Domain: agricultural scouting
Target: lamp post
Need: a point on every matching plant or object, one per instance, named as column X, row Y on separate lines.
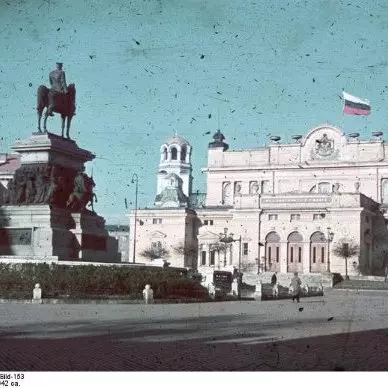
column 228, row 239
column 135, row 179
column 330, row 236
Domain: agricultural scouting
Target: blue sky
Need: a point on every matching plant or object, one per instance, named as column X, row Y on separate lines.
column 145, row 69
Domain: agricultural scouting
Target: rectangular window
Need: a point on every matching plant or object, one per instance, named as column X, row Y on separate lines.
column 319, row 216
column 206, row 222
column 272, row 217
column 322, row 254
column 203, row 258
column 245, row 249
column 211, row 222
column 295, row 217
column 159, row 220
column 314, row 254
column 277, row 254
column 212, row 257
column 154, row 221
column 269, row 253
column 300, row 254
column 292, row 254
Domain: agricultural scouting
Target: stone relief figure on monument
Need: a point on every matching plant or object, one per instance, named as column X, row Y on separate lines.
column 53, row 188
column 42, row 182
column 60, row 98
column 21, row 183
column 82, row 193
column 30, row 189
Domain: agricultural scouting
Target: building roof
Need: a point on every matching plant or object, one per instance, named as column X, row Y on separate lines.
column 9, row 163
column 117, row 228
column 179, row 140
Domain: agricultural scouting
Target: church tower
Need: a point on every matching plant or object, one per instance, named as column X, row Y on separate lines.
column 174, row 180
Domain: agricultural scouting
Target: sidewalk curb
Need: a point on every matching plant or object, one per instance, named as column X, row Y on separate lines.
column 360, row 289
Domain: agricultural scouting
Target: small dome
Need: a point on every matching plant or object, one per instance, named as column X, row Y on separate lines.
column 177, row 140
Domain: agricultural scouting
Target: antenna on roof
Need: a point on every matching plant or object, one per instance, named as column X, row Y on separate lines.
column 218, row 119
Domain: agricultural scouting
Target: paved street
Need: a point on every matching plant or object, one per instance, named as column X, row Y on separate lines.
column 343, row 330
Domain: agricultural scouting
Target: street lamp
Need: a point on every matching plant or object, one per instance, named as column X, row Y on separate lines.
column 258, row 254
column 228, row 239
column 330, row 236
column 135, row 179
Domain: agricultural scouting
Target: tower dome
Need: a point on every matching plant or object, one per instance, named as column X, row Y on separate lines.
column 178, row 140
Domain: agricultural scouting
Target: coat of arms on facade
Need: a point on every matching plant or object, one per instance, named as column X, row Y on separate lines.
column 324, row 148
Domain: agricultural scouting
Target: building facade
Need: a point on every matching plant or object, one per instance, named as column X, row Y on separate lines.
column 284, row 207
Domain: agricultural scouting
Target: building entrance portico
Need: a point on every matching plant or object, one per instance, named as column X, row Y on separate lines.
column 295, row 252
column 272, row 252
column 318, row 252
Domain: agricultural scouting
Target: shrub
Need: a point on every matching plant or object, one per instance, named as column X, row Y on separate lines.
column 18, row 280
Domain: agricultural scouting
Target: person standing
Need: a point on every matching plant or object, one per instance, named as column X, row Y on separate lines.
column 274, row 284
column 295, row 284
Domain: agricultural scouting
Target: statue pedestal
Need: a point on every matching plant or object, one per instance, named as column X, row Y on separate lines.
column 36, row 223
column 93, row 240
column 36, row 231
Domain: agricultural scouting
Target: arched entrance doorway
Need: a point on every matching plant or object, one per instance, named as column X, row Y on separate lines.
column 318, row 252
column 272, row 252
column 295, row 252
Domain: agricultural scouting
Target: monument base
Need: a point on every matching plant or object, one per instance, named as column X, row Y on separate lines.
column 41, row 232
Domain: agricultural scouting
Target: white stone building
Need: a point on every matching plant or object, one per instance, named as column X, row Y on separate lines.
column 281, row 203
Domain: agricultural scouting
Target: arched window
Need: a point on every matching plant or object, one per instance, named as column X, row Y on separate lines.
column 174, row 153
column 272, row 251
column 165, row 154
column 318, row 248
column 294, row 254
column 183, row 153
column 321, row 188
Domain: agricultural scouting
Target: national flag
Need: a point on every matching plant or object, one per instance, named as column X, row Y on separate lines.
column 355, row 105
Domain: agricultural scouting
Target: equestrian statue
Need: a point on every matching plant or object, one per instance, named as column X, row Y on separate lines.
column 60, row 98
column 83, row 193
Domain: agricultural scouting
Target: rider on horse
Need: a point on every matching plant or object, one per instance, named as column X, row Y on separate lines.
column 58, row 86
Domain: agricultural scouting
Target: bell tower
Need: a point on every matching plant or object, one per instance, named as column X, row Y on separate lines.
column 174, row 179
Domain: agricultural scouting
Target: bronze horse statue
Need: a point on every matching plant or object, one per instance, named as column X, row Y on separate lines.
column 64, row 105
column 83, row 193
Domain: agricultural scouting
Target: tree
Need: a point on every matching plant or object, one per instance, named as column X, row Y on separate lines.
column 155, row 251
column 189, row 251
column 345, row 249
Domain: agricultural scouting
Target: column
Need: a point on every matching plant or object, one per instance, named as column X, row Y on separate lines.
column 283, row 256
column 306, row 257
column 199, row 263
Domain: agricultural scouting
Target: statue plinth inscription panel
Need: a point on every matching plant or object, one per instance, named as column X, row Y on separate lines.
column 14, row 236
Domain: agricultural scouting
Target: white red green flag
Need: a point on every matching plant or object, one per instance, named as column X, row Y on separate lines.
column 355, row 106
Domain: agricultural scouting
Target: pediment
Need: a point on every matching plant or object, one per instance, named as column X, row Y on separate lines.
column 208, row 236
column 157, row 234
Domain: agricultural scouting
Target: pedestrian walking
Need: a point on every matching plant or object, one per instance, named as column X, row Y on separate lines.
column 295, row 284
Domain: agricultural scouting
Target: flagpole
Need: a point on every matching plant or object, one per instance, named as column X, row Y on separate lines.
column 343, row 114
